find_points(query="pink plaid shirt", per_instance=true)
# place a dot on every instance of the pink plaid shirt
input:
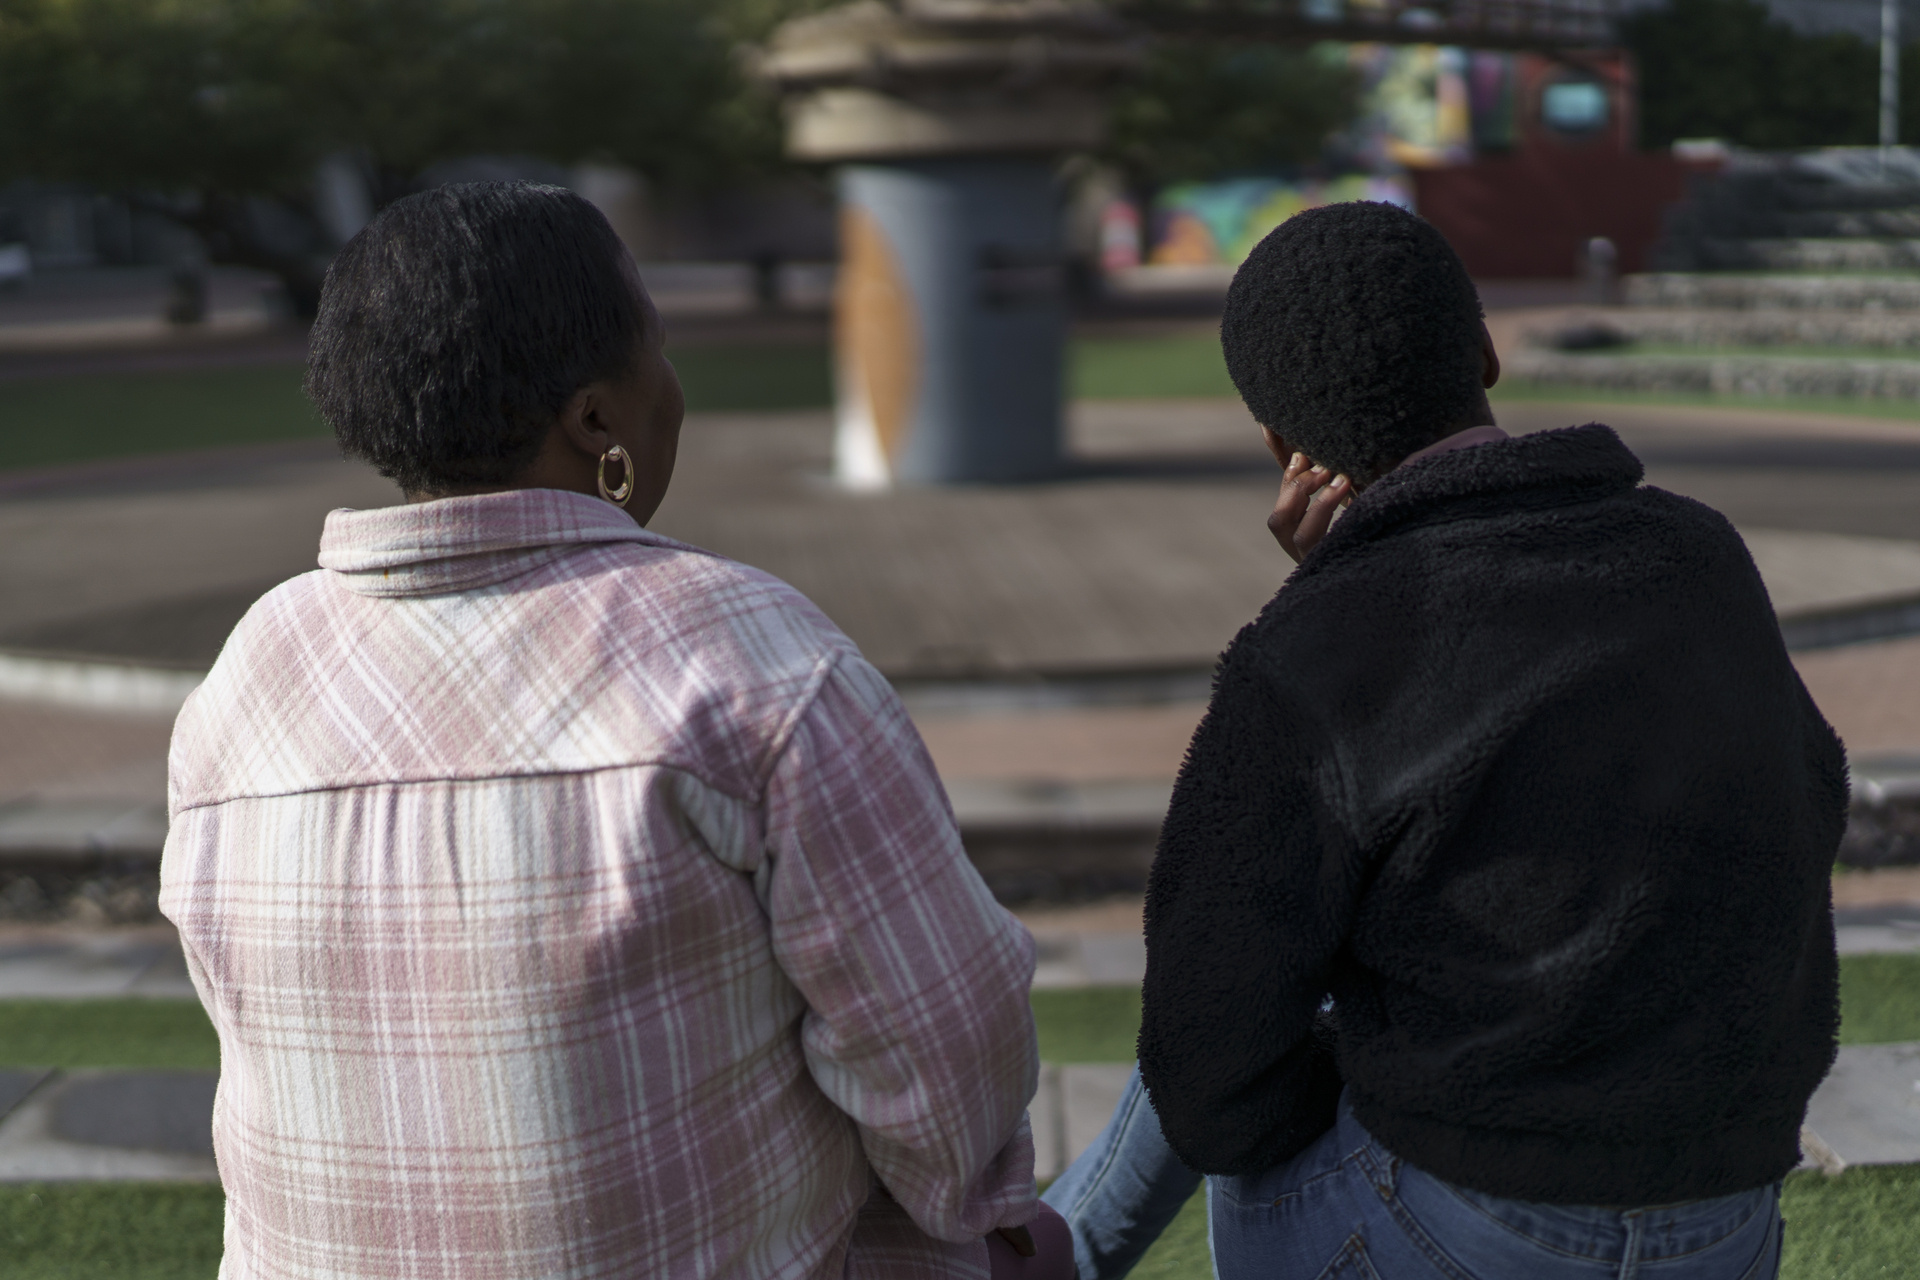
(572, 902)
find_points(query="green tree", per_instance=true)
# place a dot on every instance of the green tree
(201, 108)
(1728, 69)
(1204, 110)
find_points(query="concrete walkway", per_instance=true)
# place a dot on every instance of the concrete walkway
(156, 1125)
(152, 1125)
(120, 1126)
(1052, 642)
(1149, 557)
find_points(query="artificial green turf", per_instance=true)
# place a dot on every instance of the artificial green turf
(1880, 1003)
(109, 1231)
(44, 421)
(1174, 366)
(1181, 1252)
(1858, 1226)
(1879, 1000)
(750, 378)
(78, 418)
(107, 1033)
(1880, 996)
(1087, 1024)
(1862, 1225)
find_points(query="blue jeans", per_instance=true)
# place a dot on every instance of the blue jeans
(1346, 1208)
(1123, 1190)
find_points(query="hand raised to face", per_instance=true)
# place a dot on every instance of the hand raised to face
(1309, 497)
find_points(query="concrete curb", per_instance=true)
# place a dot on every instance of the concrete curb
(99, 686)
(1867, 1110)
(68, 1126)
(105, 1125)
(1729, 290)
(1766, 376)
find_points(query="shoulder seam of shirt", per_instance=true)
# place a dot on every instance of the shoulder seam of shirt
(823, 667)
(696, 774)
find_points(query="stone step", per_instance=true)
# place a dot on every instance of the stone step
(1708, 289)
(1600, 327)
(1776, 377)
(1852, 253)
(1822, 224)
(1867, 1110)
(1784, 253)
(110, 1125)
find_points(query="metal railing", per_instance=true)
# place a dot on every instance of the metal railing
(1479, 24)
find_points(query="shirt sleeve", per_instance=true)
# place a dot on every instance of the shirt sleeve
(919, 1025)
(1251, 895)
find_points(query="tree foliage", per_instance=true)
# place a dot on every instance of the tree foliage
(218, 112)
(249, 94)
(1202, 110)
(1728, 69)
(213, 111)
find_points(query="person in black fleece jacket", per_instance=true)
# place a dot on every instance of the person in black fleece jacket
(1505, 843)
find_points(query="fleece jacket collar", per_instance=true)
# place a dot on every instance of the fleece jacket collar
(1550, 468)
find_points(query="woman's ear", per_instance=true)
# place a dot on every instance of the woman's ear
(580, 421)
(1489, 359)
(1276, 446)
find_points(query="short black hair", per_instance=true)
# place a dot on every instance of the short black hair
(1352, 330)
(455, 327)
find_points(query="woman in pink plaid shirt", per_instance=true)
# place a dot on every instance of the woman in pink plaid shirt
(572, 902)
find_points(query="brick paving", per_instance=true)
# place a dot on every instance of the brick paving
(1151, 555)
(68, 753)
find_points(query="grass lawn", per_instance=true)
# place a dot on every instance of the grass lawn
(44, 421)
(1147, 368)
(1863, 1225)
(1859, 1226)
(167, 1034)
(109, 1231)
(71, 419)
(78, 418)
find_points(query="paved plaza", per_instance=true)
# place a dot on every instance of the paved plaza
(1053, 642)
(1147, 557)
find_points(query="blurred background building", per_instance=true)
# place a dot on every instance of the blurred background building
(262, 135)
(967, 259)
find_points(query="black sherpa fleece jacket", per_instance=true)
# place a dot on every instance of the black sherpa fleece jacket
(1515, 767)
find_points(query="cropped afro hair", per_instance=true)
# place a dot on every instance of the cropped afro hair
(455, 327)
(1352, 330)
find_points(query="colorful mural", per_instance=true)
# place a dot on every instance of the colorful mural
(1417, 112)
(1205, 223)
(1424, 107)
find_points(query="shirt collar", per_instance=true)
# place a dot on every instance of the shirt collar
(455, 544)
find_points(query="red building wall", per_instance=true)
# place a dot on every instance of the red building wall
(1528, 212)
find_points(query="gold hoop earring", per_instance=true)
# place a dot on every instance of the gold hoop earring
(618, 497)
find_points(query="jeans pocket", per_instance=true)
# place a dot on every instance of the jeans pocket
(1767, 1265)
(1350, 1263)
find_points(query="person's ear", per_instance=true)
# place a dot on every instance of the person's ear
(1489, 359)
(1275, 444)
(580, 421)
